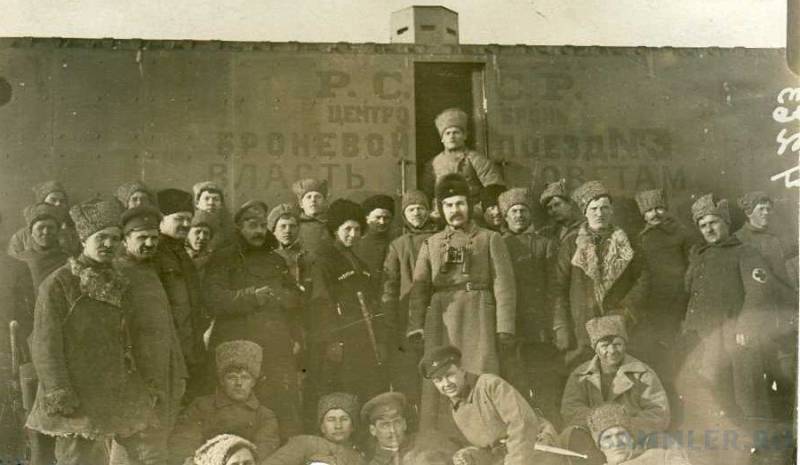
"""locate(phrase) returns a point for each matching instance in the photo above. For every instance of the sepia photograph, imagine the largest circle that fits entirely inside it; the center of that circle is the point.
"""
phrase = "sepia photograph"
(398, 232)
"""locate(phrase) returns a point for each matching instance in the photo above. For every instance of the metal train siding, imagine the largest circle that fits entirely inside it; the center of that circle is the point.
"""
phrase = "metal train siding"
(256, 116)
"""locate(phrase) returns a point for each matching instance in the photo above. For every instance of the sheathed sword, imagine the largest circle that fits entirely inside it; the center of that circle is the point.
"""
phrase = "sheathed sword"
(370, 330)
(559, 451)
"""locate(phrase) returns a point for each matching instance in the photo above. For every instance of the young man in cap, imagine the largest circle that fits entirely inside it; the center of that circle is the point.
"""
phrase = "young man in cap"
(284, 223)
(347, 337)
(233, 409)
(156, 348)
(597, 273)
(562, 211)
(251, 296)
(89, 390)
(210, 198)
(337, 414)
(476, 168)
(385, 415)
(183, 286)
(135, 194)
(494, 418)
(464, 291)
(531, 256)
(44, 254)
(398, 273)
(312, 198)
(373, 246)
(198, 239)
(50, 193)
(492, 217)
(613, 375)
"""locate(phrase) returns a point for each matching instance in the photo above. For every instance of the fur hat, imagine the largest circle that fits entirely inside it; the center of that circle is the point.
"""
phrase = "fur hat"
(94, 215)
(706, 205)
(489, 195)
(217, 450)
(250, 210)
(415, 197)
(239, 354)
(438, 359)
(587, 192)
(139, 218)
(750, 200)
(381, 201)
(451, 184)
(209, 186)
(204, 218)
(283, 209)
(340, 400)
(39, 211)
(303, 186)
(648, 200)
(342, 210)
(452, 117)
(125, 191)
(554, 189)
(41, 190)
(173, 201)
(608, 416)
(386, 404)
(604, 326)
(513, 196)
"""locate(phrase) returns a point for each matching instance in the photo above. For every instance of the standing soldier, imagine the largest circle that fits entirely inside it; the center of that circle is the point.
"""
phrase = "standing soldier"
(562, 212)
(492, 217)
(198, 240)
(755, 232)
(597, 273)
(252, 297)
(180, 280)
(209, 198)
(89, 389)
(373, 246)
(312, 197)
(135, 194)
(347, 338)
(531, 255)
(51, 193)
(464, 291)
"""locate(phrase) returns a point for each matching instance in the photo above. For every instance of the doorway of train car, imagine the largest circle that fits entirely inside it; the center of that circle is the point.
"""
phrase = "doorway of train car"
(438, 86)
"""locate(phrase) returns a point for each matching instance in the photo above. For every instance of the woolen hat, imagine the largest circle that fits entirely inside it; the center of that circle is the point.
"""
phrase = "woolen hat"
(204, 218)
(94, 215)
(40, 211)
(750, 200)
(217, 450)
(239, 354)
(140, 218)
(513, 196)
(125, 191)
(173, 201)
(41, 190)
(252, 209)
(342, 210)
(381, 201)
(338, 400)
(207, 186)
(303, 186)
(388, 404)
(706, 205)
(281, 211)
(554, 189)
(648, 200)
(451, 117)
(437, 360)
(605, 326)
(489, 195)
(608, 416)
(587, 192)
(415, 197)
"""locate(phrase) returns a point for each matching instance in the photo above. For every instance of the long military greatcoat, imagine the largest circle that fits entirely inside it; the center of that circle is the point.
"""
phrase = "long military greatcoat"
(313, 232)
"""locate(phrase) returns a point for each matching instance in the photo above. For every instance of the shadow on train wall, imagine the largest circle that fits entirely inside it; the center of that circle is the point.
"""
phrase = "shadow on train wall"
(256, 116)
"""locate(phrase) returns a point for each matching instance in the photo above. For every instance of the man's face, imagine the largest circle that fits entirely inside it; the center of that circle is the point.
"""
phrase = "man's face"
(286, 231)
(379, 220)
(611, 351)
(243, 456)
(617, 445)
(493, 217)
(450, 383)
(199, 237)
(348, 233)
(336, 426)
(56, 199)
(655, 216)
(761, 214)
(209, 201)
(518, 218)
(254, 231)
(138, 198)
(599, 213)
(44, 233)
(142, 244)
(456, 210)
(454, 138)
(102, 246)
(238, 384)
(416, 215)
(313, 203)
(560, 210)
(713, 228)
(389, 430)
(176, 225)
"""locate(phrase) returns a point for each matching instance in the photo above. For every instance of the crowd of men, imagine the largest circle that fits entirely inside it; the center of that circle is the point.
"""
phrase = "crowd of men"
(159, 327)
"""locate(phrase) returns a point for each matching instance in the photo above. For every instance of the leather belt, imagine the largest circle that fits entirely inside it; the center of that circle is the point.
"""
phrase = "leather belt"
(467, 286)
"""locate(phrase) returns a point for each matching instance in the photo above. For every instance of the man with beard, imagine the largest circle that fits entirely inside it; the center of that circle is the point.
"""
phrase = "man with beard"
(373, 246)
(198, 239)
(210, 199)
(156, 349)
(398, 271)
(252, 298)
(135, 194)
(597, 273)
(531, 256)
(180, 280)
(50, 193)
(89, 390)
(463, 292)
(561, 211)
(312, 197)
(492, 216)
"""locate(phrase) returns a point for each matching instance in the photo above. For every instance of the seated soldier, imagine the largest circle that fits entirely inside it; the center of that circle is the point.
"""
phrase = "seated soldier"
(336, 414)
(616, 377)
(495, 419)
(386, 416)
(226, 449)
(233, 409)
(613, 434)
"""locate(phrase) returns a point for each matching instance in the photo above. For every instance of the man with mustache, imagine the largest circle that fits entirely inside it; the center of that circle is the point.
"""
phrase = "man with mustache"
(312, 198)
(180, 280)
(463, 293)
(252, 297)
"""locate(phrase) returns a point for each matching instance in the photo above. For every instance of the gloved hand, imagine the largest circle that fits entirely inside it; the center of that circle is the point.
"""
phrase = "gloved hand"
(63, 402)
